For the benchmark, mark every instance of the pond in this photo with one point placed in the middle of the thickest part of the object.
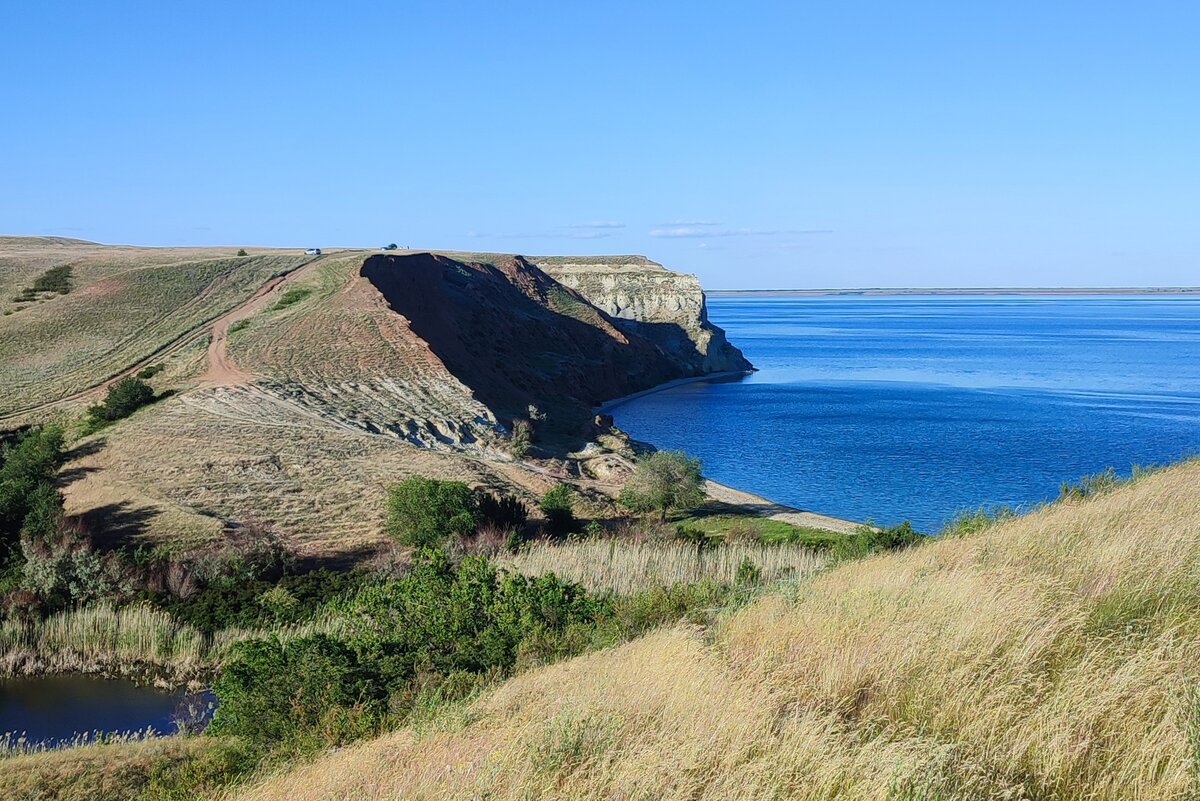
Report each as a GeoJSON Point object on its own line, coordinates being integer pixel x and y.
{"type": "Point", "coordinates": [51, 710]}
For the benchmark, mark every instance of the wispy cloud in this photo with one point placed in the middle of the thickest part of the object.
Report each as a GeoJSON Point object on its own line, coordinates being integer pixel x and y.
{"type": "Point", "coordinates": [590, 230]}
{"type": "Point", "coordinates": [706, 230]}
{"type": "Point", "coordinates": [602, 225]}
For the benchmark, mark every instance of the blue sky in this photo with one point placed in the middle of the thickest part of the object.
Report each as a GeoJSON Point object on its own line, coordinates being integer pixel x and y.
{"type": "Point", "coordinates": [755, 144]}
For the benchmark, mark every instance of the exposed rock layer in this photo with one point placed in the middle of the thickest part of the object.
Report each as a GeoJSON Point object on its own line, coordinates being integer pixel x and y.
{"type": "Point", "coordinates": [645, 298]}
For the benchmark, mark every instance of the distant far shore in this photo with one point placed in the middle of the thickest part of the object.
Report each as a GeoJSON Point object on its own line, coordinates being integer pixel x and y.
{"type": "Point", "coordinates": [1174, 290]}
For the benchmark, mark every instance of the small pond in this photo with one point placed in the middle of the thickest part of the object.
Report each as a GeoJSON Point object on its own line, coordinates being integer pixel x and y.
{"type": "Point", "coordinates": [56, 709]}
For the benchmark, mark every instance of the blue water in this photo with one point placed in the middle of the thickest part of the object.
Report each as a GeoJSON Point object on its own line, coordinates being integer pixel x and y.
{"type": "Point", "coordinates": [888, 408]}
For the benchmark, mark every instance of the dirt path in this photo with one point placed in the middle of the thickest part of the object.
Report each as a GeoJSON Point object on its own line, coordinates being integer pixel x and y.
{"type": "Point", "coordinates": [221, 371]}
{"type": "Point", "coordinates": [220, 367]}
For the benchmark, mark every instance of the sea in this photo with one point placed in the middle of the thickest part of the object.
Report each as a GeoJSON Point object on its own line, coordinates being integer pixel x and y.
{"type": "Point", "coordinates": [886, 408]}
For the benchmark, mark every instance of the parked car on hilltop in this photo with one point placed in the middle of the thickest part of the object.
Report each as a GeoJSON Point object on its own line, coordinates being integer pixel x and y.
{"type": "Point", "coordinates": [313, 252]}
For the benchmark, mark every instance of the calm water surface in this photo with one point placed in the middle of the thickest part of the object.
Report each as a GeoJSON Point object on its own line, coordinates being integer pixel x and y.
{"type": "Point", "coordinates": [52, 709]}
{"type": "Point", "coordinates": [887, 408]}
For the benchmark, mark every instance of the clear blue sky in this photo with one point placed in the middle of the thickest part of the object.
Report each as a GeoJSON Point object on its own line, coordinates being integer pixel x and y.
{"type": "Point", "coordinates": [816, 144]}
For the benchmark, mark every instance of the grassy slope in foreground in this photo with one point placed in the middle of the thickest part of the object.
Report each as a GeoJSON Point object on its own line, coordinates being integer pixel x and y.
{"type": "Point", "coordinates": [1050, 657]}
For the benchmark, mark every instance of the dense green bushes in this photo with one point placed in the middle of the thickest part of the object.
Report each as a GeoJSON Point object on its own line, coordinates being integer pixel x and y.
{"type": "Point", "coordinates": [424, 512]}
{"type": "Point", "coordinates": [260, 603]}
{"type": "Point", "coordinates": [434, 635]}
{"type": "Point", "coordinates": [123, 399]}
{"type": "Point", "coordinates": [27, 469]}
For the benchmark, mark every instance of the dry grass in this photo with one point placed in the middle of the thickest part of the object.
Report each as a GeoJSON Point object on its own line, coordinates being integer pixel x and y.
{"type": "Point", "coordinates": [122, 770]}
{"type": "Point", "coordinates": [126, 304]}
{"type": "Point", "coordinates": [127, 640]}
{"type": "Point", "coordinates": [1054, 656]}
{"type": "Point", "coordinates": [626, 567]}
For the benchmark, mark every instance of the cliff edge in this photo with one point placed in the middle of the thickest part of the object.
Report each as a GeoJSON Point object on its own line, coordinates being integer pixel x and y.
{"type": "Point", "coordinates": [647, 299]}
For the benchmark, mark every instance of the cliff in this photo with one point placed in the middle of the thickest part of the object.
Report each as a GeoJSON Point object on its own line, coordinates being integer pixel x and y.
{"type": "Point", "coordinates": [514, 336]}
{"type": "Point", "coordinates": [646, 299]}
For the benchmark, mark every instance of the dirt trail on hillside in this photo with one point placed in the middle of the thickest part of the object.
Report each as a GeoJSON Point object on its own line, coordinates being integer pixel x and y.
{"type": "Point", "coordinates": [221, 371]}
{"type": "Point", "coordinates": [225, 373]}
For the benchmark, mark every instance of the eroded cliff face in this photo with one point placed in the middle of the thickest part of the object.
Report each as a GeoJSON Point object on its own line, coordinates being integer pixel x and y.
{"type": "Point", "coordinates": [646, 299]}
{"type": "Point", "coordinates": [514, 337]}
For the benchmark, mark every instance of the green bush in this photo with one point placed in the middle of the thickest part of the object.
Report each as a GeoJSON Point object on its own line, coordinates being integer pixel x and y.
{"type": "Point", "coordinates": [242, 252]}
{"type": "Point", "coordinates": [520, 442]}
{"type": "Point", "coordinates": [424, 512]}
{"type": "Point", "coordinates": [292, 296]}
{"type": "Point", "coordinates": [664, 481]}
{"type": "Point", "coordinates": [56, 279]}
{"type": "Point", "coordinates": [27, 469]}
{"type": "Point", "coordinates": [558, 507]}
{"type": "Point", "coordinates": [123, 399]}
{"type": "Point", "coordinates": [271, 692]}
{"type": "Point", "coordinates": [868, 540]}
{"type": "Point", "coordinates": [443, 618]}
{"type": "Point", "coordinates": [502, 511]}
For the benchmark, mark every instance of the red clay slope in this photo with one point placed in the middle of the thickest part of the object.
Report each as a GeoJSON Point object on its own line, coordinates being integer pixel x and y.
{"type": "Point", "coordinates": [516, 337]}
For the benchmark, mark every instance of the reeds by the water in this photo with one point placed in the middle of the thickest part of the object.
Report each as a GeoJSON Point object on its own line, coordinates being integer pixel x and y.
{"type": "Point", "coordinates": [624, 566]}
{"type": "Point", "coordinates": [129, 639]}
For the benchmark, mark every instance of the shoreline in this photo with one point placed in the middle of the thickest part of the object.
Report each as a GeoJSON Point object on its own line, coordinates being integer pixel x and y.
{"type": "Point", "coordinates": [732, 496]}
{"type": "Point", "coordinates": [765, 507]}
{"type": "Point", "coordinates": [607, 406]}
{"type": "Point", "coordinates": [880, 291]}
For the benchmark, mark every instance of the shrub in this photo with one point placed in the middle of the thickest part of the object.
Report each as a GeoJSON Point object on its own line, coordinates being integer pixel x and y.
{"type": "Point", "coordinates": [239, 325]}
{"type": "Point", "coordinates": [558, 507]}
{"type": "Point", "coordinates": [521, 440]}
{"type": "Point", "coordinates": [272, 692]}
{"type": "Point", "coordinates": [123, 399]}
{"type": "Point", "coordinates": [443, 617]}
{"type": "Point", "coordinates": [292, 296]}
{"type": "Point", "coordinates": [1089, 486]}
{"type": "Point", "coordinates": [27, 468]}
{"type": "Point", "coordinates": [502, 511]}
{"type": "Point", "coordinates": [56, 279]}
{"type": "Point", "coordinates": [149, 372]}
{"type": "Point", "coordinates": [868, 540]}
{"type": "Point", "coordinates": [242, 252]}
{"type": "Point", "coordinates": [664, 481]}
{"type": "Point", "coordinates": [423, 512]}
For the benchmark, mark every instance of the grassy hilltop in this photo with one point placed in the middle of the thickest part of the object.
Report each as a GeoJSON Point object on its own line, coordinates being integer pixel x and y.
{"type": "Point", "coordinates": [1053, 656]}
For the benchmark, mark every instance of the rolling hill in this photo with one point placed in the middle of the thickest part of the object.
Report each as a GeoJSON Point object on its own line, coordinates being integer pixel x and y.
{"type": "Point", "coordinates": [298, 386]}
{"type": "Point", "coordinates": [1052, 656]}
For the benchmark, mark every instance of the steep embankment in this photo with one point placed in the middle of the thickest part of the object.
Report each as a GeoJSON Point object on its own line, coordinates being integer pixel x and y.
{"type": "Point", "coordinates": [649, 300]}
{"type": "Point", "coordinates": [1049, 657]}
{"type": "Point", "coordinates": [515, 337]}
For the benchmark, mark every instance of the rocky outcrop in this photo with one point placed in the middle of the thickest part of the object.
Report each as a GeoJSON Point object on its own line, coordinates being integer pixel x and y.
{"type": "Point", "coordinates": [646, 299]}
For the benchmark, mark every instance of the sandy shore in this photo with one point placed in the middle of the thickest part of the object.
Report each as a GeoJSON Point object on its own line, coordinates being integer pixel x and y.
{"type": "Point", "coordinates": [776, 511]}
{"type": "Point", "coordinates": [607, 406]}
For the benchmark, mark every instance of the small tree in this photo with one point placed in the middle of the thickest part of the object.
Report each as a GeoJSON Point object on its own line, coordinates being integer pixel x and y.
{"type": "Point", "coordinates": [521, 439]}
{"type": "Point", "coordinates": [664, 481]}
{"type": "Point", "coordinates": [558, 507]}
{"type": "Point", "coordinates": [423, 511]}
{"type": "Point", "coordinates": [123, 399]}
{"type": "Point", "coordinates": [243, 252]}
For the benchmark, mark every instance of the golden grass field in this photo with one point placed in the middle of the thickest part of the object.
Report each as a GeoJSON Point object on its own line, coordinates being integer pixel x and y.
{"type": "Point", "coordinates": [1052, 656]}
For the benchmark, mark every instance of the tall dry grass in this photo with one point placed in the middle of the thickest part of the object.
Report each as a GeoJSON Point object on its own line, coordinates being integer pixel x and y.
{"type": "Point", "coordinates": [626, 567]}
{"type": "Point", "coordinates": [129, 639]}
{"type": "Point", "coordinates": [1054, 656]}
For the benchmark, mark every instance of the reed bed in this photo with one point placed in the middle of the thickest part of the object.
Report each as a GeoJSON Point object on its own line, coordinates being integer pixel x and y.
{"type": "Point", "coordinates": [133, 639]}
{"type": "Point", "coordinates": [624, 566]}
